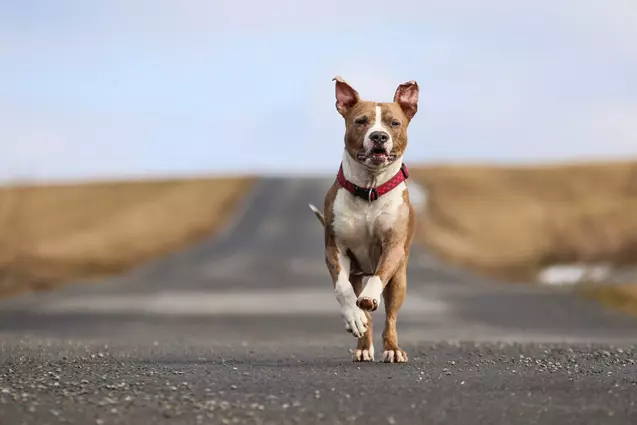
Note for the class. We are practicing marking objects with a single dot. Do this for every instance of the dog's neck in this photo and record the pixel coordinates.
(363, 176)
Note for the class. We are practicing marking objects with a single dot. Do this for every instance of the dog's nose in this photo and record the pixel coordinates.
(379, 137)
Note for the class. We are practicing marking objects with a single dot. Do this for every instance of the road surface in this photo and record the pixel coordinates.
(243, 328)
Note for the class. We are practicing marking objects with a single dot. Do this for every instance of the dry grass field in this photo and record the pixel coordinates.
(510, 222)
(50, 235)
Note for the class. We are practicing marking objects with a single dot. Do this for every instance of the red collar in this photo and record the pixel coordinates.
(372, 193)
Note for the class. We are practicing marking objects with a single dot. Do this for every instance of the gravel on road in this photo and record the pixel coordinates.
(486, 383)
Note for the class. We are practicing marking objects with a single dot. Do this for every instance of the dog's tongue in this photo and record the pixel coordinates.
(378, 151)
(378, 156)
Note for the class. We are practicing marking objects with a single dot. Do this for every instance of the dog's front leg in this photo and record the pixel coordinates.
(339, 265)
(393, 255)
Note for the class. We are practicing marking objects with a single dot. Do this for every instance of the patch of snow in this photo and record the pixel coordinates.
(570, 274)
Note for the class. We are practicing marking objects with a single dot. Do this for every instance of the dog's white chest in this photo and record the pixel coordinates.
(359, 225)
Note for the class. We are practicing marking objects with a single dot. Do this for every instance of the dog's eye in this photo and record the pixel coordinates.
(361, 121)
(395, 123)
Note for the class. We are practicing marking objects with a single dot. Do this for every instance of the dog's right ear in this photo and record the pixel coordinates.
(407, 97)
(346, 96)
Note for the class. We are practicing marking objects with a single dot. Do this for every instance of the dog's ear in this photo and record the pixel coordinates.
(346, 96)
(407, 97)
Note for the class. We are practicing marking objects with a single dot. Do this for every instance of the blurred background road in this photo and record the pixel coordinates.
(244, 327)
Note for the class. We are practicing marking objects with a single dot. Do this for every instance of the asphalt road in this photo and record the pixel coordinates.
(243, 328)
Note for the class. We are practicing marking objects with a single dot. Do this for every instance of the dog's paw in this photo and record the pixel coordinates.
(364, 354)
(369, 298)
(367, 303)
(355, 321)
(395, 356)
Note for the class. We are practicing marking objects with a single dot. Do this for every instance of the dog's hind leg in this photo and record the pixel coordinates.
(394, 295)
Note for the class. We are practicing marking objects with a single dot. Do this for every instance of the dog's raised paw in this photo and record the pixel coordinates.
(367, 303)
(395, 356)
(355, 321)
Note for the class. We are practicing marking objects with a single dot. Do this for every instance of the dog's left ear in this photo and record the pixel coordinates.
(346, 96)
(407, 97)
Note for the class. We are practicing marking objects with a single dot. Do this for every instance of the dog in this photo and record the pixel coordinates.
(368, 220)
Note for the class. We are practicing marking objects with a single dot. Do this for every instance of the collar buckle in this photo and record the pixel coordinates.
(371, 194)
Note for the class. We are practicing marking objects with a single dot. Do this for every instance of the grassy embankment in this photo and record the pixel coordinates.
(54, 234)
(511, 222)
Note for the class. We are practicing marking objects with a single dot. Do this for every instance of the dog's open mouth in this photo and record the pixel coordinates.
(377, 156)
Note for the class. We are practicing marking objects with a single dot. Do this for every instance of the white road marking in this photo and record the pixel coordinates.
(248, 303)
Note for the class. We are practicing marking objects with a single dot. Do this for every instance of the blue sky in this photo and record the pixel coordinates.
(117, 88)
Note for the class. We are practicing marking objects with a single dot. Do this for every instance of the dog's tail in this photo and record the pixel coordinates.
(318, 214)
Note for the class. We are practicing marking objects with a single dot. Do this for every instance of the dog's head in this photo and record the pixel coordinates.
(376, 133)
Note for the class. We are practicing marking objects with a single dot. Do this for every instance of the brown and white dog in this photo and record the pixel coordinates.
(369, 221)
